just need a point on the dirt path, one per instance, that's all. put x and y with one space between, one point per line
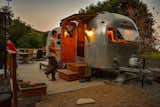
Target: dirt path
109 95
106 95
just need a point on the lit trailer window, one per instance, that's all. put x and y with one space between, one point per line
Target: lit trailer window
122 32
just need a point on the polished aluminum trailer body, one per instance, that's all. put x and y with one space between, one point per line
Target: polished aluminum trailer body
100 52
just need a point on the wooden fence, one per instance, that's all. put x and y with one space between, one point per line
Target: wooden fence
11 66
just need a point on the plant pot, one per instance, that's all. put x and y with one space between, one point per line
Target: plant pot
33 91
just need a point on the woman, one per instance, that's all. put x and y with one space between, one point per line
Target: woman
52 65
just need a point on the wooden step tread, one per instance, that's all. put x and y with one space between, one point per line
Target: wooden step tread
80 68
69 75
77 64
68 72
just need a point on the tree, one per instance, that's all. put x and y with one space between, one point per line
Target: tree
135 9
24 36
17 30
30 40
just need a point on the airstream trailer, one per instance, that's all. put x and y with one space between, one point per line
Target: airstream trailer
102 41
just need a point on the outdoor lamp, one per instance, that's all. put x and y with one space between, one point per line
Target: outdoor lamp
66 34
89 33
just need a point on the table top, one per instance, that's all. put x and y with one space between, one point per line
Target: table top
24 53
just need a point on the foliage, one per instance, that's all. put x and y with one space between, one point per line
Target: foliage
31 39
28 84
152 56
135 9
7 9
148 50
24 36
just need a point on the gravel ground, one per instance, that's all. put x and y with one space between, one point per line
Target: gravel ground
108 95
130 94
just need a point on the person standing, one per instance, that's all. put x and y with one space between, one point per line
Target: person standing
11 46
52 65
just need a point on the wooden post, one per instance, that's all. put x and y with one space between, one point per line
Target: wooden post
5 43
4 33
14 80
12 68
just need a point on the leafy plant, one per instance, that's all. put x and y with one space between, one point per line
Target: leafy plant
153 56
24 36
28 84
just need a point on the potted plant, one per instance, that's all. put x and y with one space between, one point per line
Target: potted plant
30 89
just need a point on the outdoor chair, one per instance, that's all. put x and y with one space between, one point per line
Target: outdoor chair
139 73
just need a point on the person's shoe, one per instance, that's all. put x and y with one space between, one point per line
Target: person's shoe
52 80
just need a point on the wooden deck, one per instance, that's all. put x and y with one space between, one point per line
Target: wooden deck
32 72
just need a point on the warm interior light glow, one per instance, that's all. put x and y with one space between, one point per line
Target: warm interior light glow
89 33
111 36
128 32
66 34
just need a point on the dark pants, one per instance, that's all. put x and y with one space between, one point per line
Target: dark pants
51 70
53 75
52 67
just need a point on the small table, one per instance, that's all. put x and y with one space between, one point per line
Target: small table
25 57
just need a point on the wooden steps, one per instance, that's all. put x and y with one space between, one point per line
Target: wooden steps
68 75
73 72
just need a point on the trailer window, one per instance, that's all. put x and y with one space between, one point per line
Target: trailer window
111 36
115 36
128 34
68 31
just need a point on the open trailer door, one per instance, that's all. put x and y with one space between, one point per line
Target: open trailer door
68 42
73 36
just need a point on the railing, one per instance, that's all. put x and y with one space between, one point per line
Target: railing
11 66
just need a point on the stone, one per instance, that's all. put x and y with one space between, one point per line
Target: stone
85 101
